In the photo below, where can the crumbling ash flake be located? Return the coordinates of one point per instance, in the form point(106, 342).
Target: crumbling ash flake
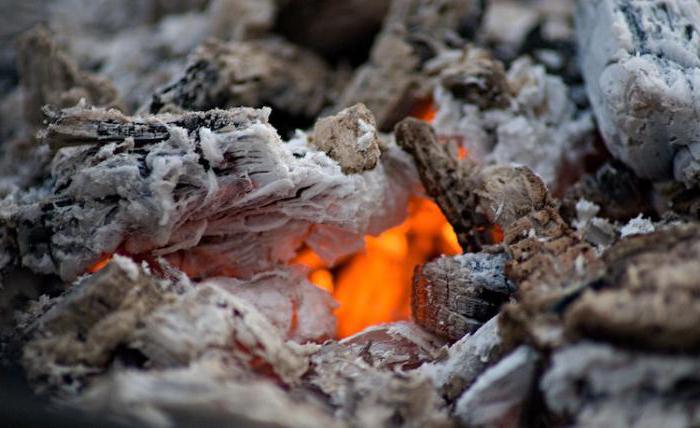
point(637, 226)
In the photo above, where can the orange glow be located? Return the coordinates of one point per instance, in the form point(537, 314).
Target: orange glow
point(101, 263)
point(374, 286)
point(424, 109)
point(322, 278)
point(496, 234)
point(462, 152)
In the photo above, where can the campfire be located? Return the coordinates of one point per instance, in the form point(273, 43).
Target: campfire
point(371, 213)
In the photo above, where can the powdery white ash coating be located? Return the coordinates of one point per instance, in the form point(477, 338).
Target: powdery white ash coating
point(208, 190)
point(641, 63)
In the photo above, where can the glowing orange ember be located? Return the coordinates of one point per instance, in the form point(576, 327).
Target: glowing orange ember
point(424, 109)
point(374, 286)
point(101, 263)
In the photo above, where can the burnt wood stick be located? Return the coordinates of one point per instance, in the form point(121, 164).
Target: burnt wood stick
point(447, 181)
point(453, 296)
point(548, 260)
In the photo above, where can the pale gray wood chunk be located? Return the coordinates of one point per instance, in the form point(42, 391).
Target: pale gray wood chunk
point(641, 63)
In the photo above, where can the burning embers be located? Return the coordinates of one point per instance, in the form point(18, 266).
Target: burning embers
point(374, 286)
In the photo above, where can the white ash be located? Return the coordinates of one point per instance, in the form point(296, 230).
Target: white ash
point(600, 385)
point(585, 212)
point(500, 394)
point(466, 359)
point(207, 392)
point(539, 127)
point(212, 191)
point(372, 396)
point(209, 319)
point(637, 226)
point(596, 230)
point(642, 70)
point(295, 307)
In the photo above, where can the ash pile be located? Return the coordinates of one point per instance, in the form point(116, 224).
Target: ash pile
point(163, 163)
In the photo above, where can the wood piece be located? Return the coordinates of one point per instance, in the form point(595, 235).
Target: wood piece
point(594, 384)
point(547, 257)
point(349, 137)
point(266, 72)
point(646, 298)
point(454, 296)
point(217, 192)
point(640, 63)
point(471, 197)
point(500, 396)
point(466, 359)
point(393, 81)
point(80, 333)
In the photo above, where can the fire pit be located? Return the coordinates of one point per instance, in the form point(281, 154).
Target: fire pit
point(366, 213)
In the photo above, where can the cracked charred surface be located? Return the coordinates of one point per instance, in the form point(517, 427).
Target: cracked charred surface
point(454, 296)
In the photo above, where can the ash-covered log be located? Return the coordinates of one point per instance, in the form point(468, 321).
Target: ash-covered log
point(640, 62)
point(217, 192)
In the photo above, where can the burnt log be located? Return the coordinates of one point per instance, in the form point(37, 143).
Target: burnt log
point(216, 192)
point(256, 73)
point(454, 296)
point(393, 81)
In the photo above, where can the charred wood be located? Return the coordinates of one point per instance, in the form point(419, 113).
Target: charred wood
point(393, 80)
point(211, 190)
point(649, 285)
point(257, 73)
point(454, 296)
